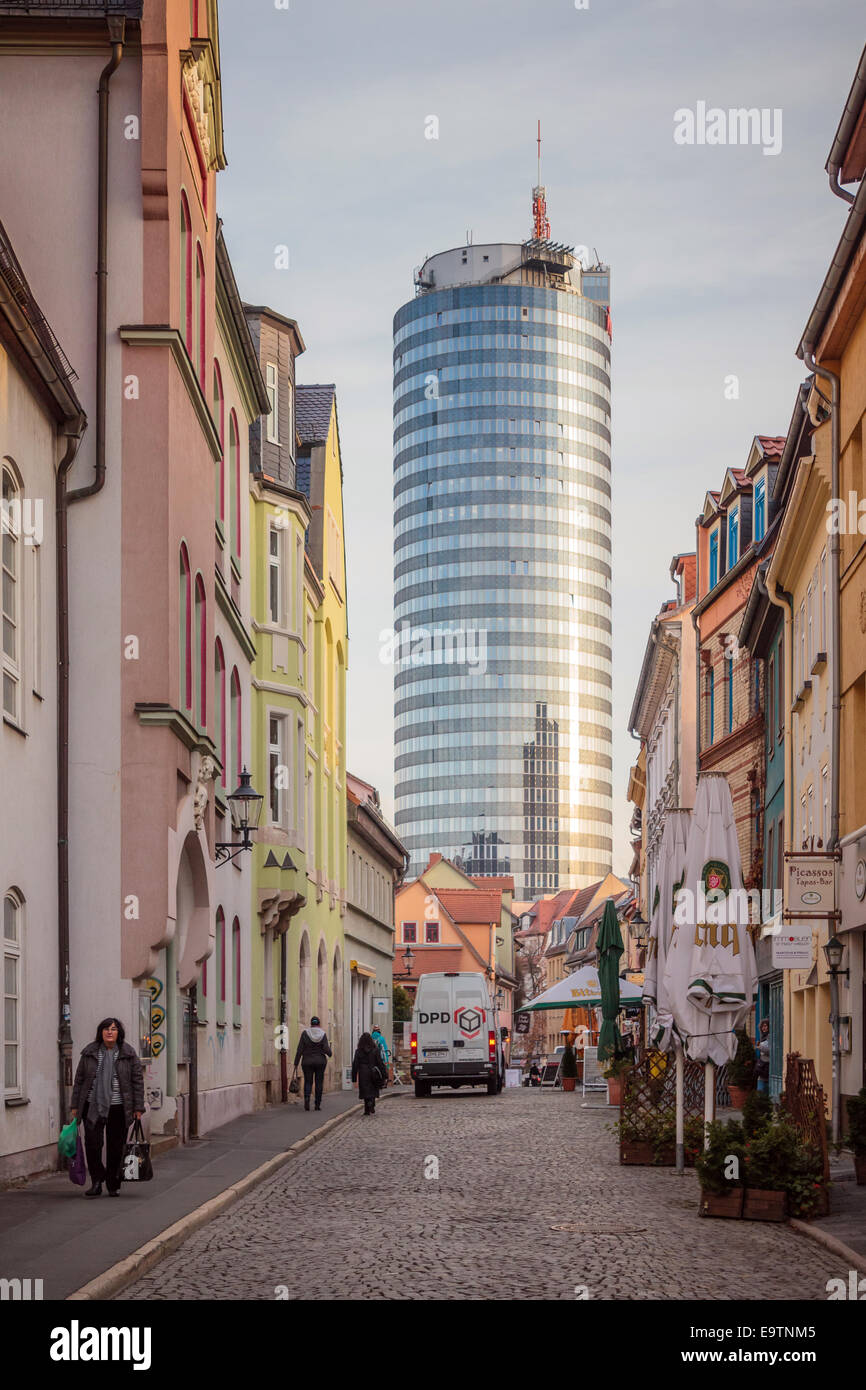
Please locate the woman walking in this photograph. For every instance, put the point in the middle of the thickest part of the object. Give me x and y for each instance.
(313, 1053)
(368, 1071)
(109, 1091)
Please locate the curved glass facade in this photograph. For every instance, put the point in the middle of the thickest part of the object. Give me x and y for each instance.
(502, 648)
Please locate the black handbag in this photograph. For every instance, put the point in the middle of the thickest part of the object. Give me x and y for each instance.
(137, 1166)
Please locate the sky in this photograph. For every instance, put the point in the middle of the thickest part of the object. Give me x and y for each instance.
(717, 250)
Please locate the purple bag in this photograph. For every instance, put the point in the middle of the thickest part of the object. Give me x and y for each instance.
(77, 1165)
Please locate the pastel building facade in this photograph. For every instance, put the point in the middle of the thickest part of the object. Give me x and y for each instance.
(144, 749)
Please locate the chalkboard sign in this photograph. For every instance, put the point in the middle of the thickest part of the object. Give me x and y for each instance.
(550, 1074)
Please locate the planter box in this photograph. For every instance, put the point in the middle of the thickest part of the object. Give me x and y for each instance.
(646, 1155)
(764, 1204)
(729, 1204)
(614, 1090)
(568, 1083)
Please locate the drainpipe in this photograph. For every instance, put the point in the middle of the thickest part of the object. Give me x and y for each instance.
(116, 34)
(835, 606)
(64, 1034)
(62, 499)
(284, 1019)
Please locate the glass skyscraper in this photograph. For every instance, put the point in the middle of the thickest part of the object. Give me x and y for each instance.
(502, 620)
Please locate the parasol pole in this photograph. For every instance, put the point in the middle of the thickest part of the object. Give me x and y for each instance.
(709, 1099)
(681, 1150)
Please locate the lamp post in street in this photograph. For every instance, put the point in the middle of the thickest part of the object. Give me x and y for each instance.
(834, 951)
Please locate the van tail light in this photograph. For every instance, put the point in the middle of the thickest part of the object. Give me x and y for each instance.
(413, 1047)
(491, 1043)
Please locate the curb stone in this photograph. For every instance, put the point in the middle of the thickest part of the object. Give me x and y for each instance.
(836, 1247)
(112, 1280)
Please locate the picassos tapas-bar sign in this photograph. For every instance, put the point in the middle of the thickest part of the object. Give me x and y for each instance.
(811, 885)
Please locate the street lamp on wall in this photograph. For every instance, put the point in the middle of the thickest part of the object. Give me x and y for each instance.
(245, 806)
(638, 929)
(408, 961)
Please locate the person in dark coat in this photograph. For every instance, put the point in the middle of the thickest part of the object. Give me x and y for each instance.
(368, 1071)
(109, 1092)
(313, 1053)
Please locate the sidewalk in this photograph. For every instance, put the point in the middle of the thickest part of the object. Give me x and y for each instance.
(847, 1219)
(50, 1231)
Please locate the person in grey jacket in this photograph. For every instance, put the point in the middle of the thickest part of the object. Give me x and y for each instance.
(313, 1053)
(109, 1092)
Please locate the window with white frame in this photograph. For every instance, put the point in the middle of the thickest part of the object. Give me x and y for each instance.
(277, 769)
(273, 423)
(803, 667)
(275, 573)
(823, 600)
(11, 603)
(410, 933)
(810, 647)
(13, 921)
(825, 804)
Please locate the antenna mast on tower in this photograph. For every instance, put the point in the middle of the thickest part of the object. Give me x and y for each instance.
(541, 226)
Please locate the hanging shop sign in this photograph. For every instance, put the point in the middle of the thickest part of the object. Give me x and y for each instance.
(792, 946)
(810, 885)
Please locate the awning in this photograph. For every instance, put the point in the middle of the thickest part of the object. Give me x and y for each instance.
(360, 969)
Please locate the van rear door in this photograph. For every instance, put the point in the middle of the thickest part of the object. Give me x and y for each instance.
(470, 1022)
(435, 1021)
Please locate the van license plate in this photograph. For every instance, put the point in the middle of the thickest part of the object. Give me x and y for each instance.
(428, 1051)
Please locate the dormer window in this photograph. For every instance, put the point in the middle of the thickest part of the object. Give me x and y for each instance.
(733, 537)
(760, 509)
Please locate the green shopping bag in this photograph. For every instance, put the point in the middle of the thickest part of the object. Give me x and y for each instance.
(66, 1142)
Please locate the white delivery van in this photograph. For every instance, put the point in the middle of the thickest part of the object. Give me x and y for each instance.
(455, 1034)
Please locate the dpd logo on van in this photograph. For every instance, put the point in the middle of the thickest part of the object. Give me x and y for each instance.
(469, 1021)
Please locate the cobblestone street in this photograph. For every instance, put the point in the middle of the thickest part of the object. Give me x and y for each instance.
(530, 1203)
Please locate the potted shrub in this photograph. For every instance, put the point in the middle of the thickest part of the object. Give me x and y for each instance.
(773, 1158)
(720, 1169)
(568, 1069)
(613, 1076)
(857, 1133)
(757, 1112)
(741, 1071)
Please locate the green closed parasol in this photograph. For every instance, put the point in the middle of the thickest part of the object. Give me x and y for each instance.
(609, 949)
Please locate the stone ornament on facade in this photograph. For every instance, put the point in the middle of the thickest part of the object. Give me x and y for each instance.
(206, 772)
(196, 80)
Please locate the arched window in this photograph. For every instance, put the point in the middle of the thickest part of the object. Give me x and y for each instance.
(219, 421)
(185, 626)
(13, 924)
(219, 695)
(10, 527)
(186, 314)
(220, 966)
(199, 358)
(236, 972)
(236, 728)
(234, 487)
(201, 651)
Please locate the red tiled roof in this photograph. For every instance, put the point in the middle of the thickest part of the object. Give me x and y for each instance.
(470, 905)
(504, 882)
(432, 958)
(771, 444)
